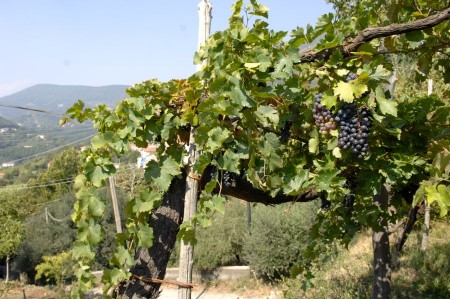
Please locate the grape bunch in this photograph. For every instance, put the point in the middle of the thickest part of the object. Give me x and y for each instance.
(323, 117)
(354, 124)
(325, 203)
(285, 132)
(349, 198)
(351, 77)
(228, 179)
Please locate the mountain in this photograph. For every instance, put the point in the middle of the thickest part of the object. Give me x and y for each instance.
(56, 99)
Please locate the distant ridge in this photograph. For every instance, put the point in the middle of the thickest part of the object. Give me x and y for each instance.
(56, 98)
(6, 123)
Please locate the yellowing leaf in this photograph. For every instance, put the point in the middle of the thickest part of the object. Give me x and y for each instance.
(329, 101)
(348, 91)
(344, 91)
(337, 153)
(252, 65)
(313, 145)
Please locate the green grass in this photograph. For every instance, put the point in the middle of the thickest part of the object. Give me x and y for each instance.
(415, 275)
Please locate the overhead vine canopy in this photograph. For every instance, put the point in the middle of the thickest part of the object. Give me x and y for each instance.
(281, 117)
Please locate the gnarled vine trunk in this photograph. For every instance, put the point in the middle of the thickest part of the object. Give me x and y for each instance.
(152, 263)
(381, 281)
(165, 221)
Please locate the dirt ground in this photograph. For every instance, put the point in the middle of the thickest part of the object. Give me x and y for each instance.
(31, 292)
(225, 290)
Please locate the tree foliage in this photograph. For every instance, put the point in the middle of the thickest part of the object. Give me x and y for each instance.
(250, 107)
(278, 238)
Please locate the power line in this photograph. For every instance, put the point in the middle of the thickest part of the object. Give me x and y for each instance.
(43, 132)
(35, 186)
(30, 109)
(50, 183)
(48, 137)
(53, 149)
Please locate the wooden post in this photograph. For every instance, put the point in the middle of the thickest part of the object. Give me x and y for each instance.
(191, 195)
(426, 231)
(112, 188)
(7, 268)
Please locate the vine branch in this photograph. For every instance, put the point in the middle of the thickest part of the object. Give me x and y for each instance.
(369, 34)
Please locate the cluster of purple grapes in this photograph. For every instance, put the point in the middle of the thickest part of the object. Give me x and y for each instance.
(354, 124)
(349, 198)
(351, 77)
(323, 117)
(228, 179)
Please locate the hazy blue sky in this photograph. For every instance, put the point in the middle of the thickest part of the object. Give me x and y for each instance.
(103, 42)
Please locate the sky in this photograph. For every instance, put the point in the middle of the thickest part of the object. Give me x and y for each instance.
(104, 42)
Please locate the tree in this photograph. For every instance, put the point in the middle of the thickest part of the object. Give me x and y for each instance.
(274, 125)
(11, 227)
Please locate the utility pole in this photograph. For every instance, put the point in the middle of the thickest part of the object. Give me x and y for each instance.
(191, 194)
(112, 188)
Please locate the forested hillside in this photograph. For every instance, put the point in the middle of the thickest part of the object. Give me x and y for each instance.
(55, 99)
(35, 113)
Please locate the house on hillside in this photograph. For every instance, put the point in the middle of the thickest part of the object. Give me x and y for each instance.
(7, 129)
(7, 164)
(146, 154)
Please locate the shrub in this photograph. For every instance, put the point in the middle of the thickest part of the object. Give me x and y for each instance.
(221, 243)
(56, 269)
(278, 237)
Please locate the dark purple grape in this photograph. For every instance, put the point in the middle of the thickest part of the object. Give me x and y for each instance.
(354, 128)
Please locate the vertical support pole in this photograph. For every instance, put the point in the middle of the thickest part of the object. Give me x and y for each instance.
(426, 230)
(112, 188)
(430, 86)
(191, 195)
(249, 218)
(7, 268)
(46, 215)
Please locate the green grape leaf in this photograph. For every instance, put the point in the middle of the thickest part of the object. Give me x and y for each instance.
(94, 234)
(386, 106)
(217, 136)
(420, 194)
(267, 115)
(82, 250)
(415, 38)
(297, 183)
(230, 161)
(145, 235)
(122, 257)
(259, 9)
(147, 201)
(326, 178)
(113, 276)
(440, 195)
(96, 175)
